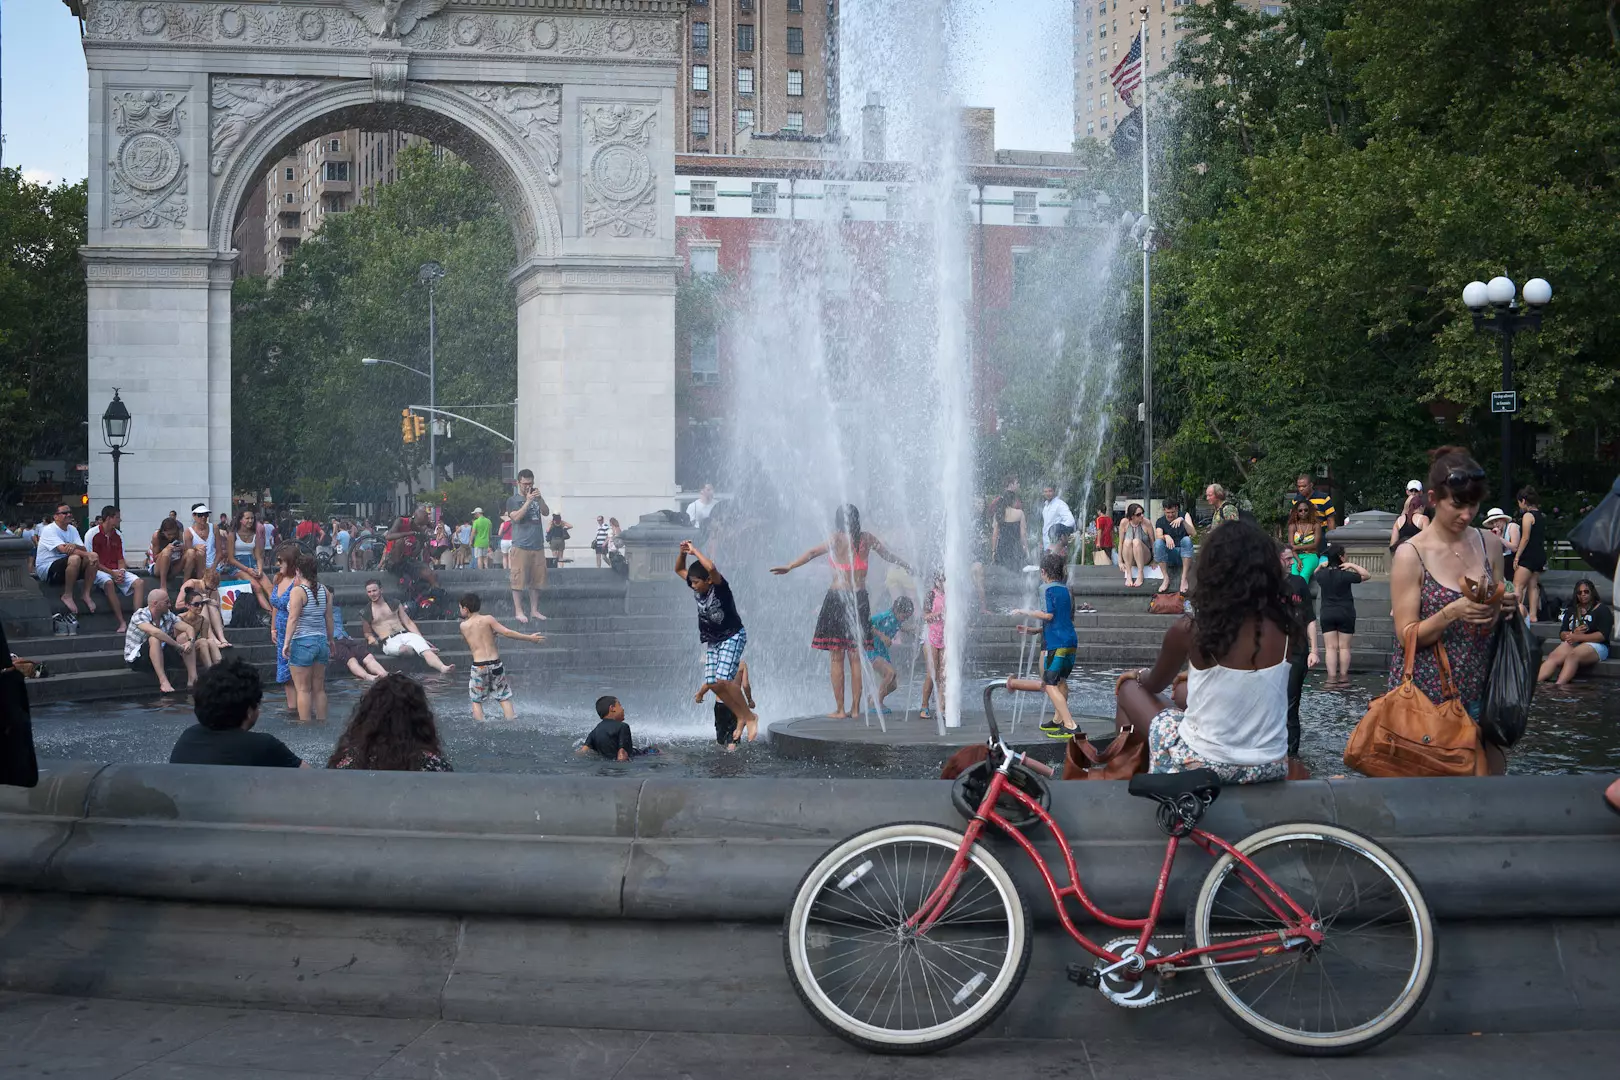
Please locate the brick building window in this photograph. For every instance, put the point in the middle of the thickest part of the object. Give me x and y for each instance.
(745, 119)
(795, 122)
(745, 37)
(795, 40)
(764, 198)
(704, 258)
(1025, 208)
(706, 358)
(337, 170)
(289, 172)
(703, 196)
(700, 36)
(745, 80)
(700, 122)
(795, 84)
(795, 5)
(700, 76)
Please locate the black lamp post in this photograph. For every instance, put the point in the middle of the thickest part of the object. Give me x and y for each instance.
(115, 433)
(1506, 319)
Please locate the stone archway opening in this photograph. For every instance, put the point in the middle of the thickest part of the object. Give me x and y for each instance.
(568, 114)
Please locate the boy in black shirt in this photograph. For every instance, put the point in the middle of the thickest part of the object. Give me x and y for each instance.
(227, 706)
(611, 737)
(723, 635)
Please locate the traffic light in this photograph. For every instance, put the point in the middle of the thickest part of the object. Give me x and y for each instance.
(421, 427)
(406, 428)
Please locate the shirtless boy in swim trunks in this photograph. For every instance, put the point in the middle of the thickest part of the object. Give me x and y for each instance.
(487, 679)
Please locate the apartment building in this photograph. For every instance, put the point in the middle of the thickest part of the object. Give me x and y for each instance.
(325, 176)
(758, 66)
(1103, 32)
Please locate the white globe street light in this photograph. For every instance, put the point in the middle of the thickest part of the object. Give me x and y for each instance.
(1506, 320)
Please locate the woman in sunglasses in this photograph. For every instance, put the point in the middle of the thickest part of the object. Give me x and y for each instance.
(1531, 556)
(1427, 586)
(1584, 637)
(1135, 546)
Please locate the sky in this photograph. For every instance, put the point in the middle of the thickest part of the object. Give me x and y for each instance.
(1020, 65)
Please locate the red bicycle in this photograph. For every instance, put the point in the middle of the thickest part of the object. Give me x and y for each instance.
(910, 937)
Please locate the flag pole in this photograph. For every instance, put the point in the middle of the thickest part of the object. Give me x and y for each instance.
(1147, 295)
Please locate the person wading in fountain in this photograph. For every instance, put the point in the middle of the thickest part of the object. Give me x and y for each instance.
(723, 634)
(486, 678)
(843, 628)
(1059, 642)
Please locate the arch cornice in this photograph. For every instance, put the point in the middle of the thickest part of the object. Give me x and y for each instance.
(509, 131)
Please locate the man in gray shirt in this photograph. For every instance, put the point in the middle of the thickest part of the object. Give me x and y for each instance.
(527, 511)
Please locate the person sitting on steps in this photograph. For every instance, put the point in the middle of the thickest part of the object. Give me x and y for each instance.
(1237, 642)
(1583, 639)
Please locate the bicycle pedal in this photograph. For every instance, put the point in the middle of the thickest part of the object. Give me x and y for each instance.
(1084, 975)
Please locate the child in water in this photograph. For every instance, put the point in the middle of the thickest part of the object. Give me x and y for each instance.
(611, 738)
(486, 679)
(886, 626)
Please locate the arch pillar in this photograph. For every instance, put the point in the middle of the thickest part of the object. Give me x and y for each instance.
(596, 386)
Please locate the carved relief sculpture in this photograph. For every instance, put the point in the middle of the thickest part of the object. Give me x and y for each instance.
(238, 105)
(393, 19)
(620, 193)
(533, 110)
(148, 182)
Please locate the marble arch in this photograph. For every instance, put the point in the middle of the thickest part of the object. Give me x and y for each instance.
(566, 106)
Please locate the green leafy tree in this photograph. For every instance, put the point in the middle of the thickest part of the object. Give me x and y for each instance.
(43, 349)
(305, 406)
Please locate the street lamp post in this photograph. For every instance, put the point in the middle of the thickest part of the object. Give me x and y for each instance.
(429, 275)
(1506, 319)
(115, 433)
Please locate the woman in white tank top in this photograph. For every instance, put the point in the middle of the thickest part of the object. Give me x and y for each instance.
(1236, 643)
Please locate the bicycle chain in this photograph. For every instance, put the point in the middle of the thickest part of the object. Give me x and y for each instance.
(1165, 974)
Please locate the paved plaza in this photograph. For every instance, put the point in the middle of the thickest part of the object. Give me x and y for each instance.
(98, 1039)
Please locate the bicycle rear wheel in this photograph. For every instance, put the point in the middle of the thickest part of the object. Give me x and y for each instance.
(881, 987)
(1374, 966)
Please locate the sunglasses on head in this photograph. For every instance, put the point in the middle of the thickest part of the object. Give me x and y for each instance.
(1462, 478)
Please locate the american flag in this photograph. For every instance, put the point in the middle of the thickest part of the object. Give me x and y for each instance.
(1127, 74)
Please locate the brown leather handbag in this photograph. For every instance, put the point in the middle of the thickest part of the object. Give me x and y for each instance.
(1406, 734)
(1167, 603)
(1121, 759)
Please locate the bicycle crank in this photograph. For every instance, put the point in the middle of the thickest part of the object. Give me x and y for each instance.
(1130, 984)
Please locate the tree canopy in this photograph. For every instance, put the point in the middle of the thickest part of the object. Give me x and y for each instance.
(1330, 179)
(305, 412)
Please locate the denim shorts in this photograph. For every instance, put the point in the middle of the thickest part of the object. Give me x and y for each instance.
(304, 651)
(1601, 649)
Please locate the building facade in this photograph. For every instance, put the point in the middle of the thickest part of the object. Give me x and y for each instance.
(737, 216)
(765, 66)
(1103, 31)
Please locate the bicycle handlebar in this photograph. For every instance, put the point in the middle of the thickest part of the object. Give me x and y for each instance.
(1034, 765)
(990, 687)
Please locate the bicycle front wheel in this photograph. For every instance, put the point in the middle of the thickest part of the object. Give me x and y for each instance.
(1376, 961)
(888, 989)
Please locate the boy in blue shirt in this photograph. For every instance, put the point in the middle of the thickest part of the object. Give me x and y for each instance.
(1059, 641)
(886, 626)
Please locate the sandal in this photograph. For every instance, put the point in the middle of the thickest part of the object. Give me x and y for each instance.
(925, 714)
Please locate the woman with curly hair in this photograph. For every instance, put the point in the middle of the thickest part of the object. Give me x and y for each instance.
(1237, 640)
(391, 730)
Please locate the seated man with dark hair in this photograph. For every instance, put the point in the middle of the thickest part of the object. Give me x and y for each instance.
(227, 706)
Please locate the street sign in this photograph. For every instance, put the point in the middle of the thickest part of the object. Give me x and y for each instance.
(1504, 401)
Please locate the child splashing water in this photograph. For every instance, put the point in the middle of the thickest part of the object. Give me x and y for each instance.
(934, 669)
(723, 635)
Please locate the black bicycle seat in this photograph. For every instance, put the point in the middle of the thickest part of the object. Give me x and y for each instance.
(1167, 787)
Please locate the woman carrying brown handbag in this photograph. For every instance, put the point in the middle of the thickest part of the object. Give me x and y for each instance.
(1236, 642)
(1431, 578)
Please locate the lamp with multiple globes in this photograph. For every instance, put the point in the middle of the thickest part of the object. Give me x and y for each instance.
(1497, 311)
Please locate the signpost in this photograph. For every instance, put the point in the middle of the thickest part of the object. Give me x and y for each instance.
(1505, 402)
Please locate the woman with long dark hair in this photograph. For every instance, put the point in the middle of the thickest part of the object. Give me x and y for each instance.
(243, 555)
(308, 647)
(1428, 586)
(1305, 535)
(1237, 644)
(281, 587)
(1583, 639)
(391, 730)
(844, 626)
(1411, 520)
(1135, 545)
(169, 555)
(1531, 557)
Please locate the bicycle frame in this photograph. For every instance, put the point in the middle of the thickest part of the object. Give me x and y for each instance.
(1299, 927)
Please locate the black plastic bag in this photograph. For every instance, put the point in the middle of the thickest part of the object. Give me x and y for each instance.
(1510, 685)
(1596, 538)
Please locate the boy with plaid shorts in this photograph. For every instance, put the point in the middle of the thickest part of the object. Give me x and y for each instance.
(722, 633)
(486, 680)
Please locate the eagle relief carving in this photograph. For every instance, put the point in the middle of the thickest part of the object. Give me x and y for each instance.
(393, 19)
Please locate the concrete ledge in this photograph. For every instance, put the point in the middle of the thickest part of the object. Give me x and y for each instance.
(525, 899)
